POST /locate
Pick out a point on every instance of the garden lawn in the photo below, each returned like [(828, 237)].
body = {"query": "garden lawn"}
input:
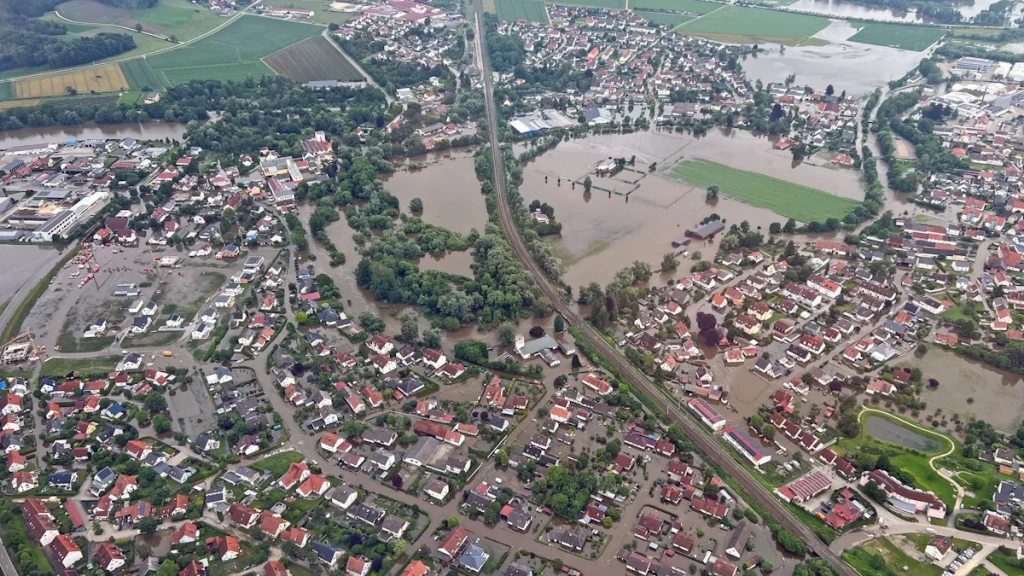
[(905, 36), (895, 559), (278, 463), (1006, 560), (755, 26), (695, 6), (784, 198)]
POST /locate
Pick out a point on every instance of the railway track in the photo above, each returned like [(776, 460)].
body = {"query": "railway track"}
[(708, 445)]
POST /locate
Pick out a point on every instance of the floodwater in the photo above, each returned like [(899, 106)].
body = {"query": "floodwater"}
[(602, 232), (153, 130), (994, 396), (448, 186), (856, 68), (22, 264), (888, 431), (841, 9), (451, 263)]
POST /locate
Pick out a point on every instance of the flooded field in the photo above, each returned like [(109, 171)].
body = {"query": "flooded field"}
[(973, 389), (452, 263), (888, 431), (448, 186), (841, 9), (603, 232), (23, 266), (91, 130), (854, 67)]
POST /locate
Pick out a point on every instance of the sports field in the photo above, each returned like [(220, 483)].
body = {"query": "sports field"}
[(786, 199), (755, 26), (313, 59), (907, 37), (613, 4), (233, 52), (671, 19), (695, 6), (104, 78), (512, 10)]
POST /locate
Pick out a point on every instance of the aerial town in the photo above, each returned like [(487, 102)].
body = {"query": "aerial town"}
[(511, 288)]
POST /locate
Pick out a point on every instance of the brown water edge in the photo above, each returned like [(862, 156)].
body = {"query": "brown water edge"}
[(998, 396), (602, 233), (153, 130), (448, 186)]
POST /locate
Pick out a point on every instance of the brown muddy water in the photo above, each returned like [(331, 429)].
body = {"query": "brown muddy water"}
[(23, 265), (841, 9), (602, 233), (851, 66), (448, 186), (91, 130), (997, 397)]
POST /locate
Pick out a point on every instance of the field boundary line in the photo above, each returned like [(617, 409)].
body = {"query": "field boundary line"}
[(681, 24), (226, 23), (355, 63)]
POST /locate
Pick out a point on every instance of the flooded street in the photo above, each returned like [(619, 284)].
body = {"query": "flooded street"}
[(448, 186), (91, 130), (604, 232), (854, 67)]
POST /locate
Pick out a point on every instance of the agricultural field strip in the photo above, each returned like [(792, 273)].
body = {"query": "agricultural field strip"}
[(312, 59)]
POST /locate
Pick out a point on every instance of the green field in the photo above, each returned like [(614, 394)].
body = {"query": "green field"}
[(912, 462), (1006, 560), (247, 39), (232, 53), (695, 6), (611, 4), (784, 198), (862, 560), (755, 26), (60, 366), (140, 75), (512, 10), (671, 19), (278, 463), (907, 37), (223, 72), (6, 90)]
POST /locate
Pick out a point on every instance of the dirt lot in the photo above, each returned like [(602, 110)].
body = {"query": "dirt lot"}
[(313, 59)]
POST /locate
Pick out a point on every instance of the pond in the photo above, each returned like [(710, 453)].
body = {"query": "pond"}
[(891, 432)]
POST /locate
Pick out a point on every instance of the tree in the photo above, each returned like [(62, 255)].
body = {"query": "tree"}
[(506, 334), (301, 317), (371, 322), (536, 332), (774, 228), (492, 513), (669, 261), (410, 328), (587, 183), (789, 227), (155, 402), (416, 205), (576, 365), (712, 192), (138, 27), (453, 522), (829, 90), (161, 424), (432, 338), (790, 79), (147, 525), (777, 112), (559, 323)]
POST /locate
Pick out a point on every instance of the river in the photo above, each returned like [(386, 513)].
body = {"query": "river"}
[(153, 130), (854, 67), (841, 9)]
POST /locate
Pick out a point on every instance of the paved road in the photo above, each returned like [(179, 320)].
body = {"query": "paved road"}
[(708, 445)]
